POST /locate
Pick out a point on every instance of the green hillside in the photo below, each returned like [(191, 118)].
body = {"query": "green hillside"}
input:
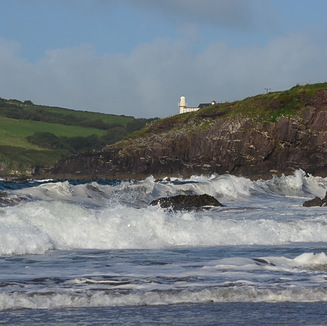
[(34, 136), (267, 107)]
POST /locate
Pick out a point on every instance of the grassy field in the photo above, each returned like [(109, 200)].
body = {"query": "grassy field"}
[(35, 136), (13, 132), (107, 118)]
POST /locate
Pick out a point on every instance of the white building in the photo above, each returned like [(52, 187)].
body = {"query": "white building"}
[(183, 106)]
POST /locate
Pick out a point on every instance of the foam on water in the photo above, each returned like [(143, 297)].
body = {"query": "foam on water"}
[(66, 244), (61, 215), (36, 227), (226, 187), (47, 282), (19, 300)]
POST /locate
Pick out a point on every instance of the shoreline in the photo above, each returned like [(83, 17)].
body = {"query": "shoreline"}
[(140, 176)]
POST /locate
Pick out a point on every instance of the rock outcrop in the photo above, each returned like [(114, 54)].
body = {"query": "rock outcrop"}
[(186, 202), (220, 139), (8, 200), (316, 202)]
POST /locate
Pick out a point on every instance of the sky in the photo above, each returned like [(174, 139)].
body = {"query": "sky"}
[(137, 57)]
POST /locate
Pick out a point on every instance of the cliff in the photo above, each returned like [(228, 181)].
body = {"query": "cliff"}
[(273, 133)]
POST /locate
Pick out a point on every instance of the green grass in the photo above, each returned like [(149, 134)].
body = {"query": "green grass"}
[(107, 118), (22, 159), (13, 132), (265, 107), (38, 136)]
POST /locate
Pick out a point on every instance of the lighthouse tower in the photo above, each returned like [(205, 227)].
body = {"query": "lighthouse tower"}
[(182, 104)]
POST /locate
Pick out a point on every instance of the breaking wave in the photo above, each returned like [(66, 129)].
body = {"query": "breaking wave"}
[(62, 215)]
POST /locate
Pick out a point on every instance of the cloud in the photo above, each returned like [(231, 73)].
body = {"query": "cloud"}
[(237, 14), (149, 81), (280, 64)]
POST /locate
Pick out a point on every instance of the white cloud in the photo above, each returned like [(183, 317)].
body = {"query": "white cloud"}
[(149, 81)]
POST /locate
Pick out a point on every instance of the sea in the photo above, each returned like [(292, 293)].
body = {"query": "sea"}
[(97, 253)]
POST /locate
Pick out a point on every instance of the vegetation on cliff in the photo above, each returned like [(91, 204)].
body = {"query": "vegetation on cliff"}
[(267, 107), (276, 132)]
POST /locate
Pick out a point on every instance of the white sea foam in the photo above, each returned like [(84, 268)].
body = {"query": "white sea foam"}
[(39, 226), (226, 187), (262, 246), (64, 216), (131, 282), (19, 300)]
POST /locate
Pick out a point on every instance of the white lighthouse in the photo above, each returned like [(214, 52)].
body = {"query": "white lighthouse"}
[(184, 109), (182, 104)]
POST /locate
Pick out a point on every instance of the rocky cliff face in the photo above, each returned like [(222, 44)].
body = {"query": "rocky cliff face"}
[(215, 140)]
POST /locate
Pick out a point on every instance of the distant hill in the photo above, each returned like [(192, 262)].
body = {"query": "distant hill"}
[(273, 133), (34, 137)]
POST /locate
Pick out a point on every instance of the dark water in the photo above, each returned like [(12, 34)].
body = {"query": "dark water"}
[(240, 313)]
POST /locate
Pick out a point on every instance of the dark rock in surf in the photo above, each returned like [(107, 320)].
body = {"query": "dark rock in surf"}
[(187, 202), (261, 261), (316, 202), (7, 200)]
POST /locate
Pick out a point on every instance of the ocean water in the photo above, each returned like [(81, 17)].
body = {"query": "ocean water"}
[(96, 253)]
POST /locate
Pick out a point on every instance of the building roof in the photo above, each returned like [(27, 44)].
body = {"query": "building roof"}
[(203, 105)]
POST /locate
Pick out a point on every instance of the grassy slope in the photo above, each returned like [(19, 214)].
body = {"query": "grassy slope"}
[(20, 156), (108, 118), (14, 132), (267, 107), (263, 107)]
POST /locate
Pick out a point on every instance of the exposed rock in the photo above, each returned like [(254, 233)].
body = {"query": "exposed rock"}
[(7, 200), (316, 202), (186, 202), (261, 261), (211, 141)]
